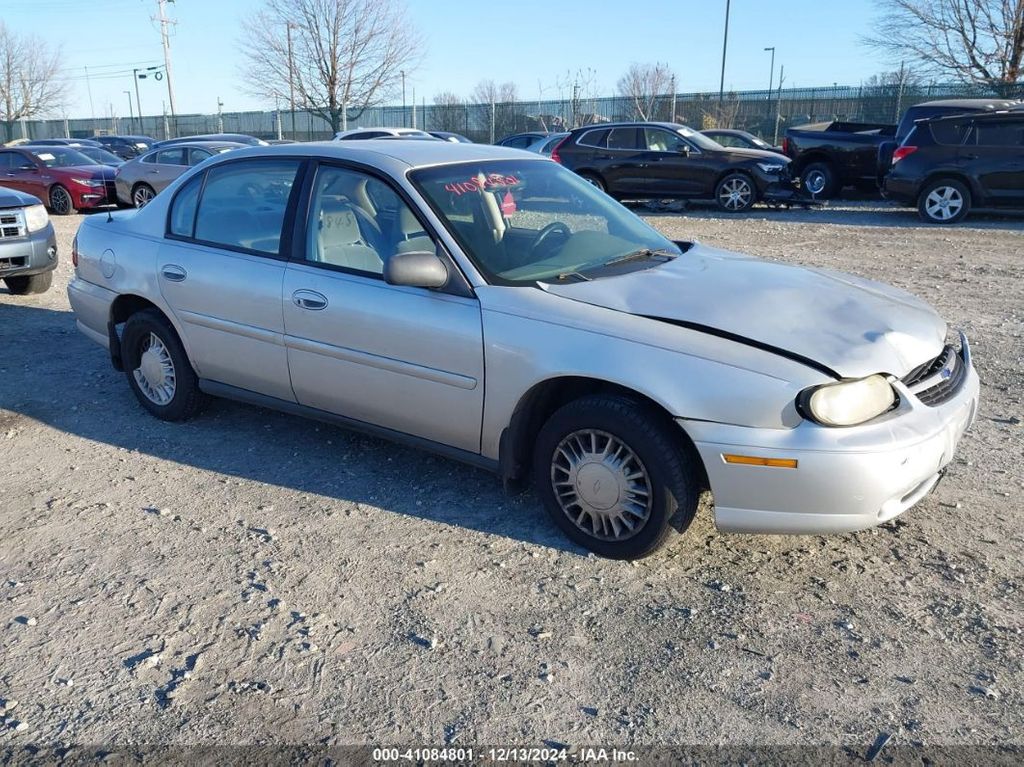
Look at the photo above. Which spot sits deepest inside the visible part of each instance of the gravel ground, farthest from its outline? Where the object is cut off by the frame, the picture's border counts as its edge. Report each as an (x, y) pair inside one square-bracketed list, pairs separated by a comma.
[(249, 577)]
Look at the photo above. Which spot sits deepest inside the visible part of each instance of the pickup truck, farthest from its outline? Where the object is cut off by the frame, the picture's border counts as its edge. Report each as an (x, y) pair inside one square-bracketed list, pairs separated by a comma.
[(831, 155)]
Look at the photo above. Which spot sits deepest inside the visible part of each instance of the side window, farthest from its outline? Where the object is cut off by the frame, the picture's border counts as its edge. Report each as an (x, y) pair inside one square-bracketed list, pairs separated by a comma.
[(950, 133), (196, 156), (659, 140), (357, 221), (149, 157), (595, 138), (174, 156), (244, 204), (622, 138), (7, 161), (999, 133), (183, 207)]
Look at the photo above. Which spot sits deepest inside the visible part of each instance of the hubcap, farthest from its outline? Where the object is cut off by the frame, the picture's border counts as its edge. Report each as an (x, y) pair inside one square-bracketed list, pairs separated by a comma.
[(735, 194), (943, 203), (601, 484), (815, 182), (60, 201), (142, 196), (155, 373)]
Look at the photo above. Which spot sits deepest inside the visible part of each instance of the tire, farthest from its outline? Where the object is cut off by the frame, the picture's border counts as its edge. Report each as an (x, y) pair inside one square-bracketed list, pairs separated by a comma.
[(735, 193), (819, 180), (594, 180), (164, 383), (649, 446), (61, 203), (944, 201), (29, 284), (142, 195)]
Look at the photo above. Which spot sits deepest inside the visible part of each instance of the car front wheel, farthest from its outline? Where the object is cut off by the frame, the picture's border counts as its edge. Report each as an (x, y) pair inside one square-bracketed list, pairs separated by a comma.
[(28, 284), (61, 203), (735, 193), (945, 201), (157, 367), (612, 474)]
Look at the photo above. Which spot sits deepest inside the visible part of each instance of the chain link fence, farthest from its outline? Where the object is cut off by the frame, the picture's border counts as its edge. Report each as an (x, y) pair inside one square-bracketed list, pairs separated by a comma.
[(764, 113)]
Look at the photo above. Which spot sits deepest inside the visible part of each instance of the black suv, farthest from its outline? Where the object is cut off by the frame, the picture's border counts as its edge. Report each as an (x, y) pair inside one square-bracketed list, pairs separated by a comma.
[(666, 160), (125, 147), (947, 165)]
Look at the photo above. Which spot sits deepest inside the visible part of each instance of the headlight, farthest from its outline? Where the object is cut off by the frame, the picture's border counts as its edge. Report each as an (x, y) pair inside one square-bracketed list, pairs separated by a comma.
[(771, 168), (36, 218), (94, 183), (848, 403)]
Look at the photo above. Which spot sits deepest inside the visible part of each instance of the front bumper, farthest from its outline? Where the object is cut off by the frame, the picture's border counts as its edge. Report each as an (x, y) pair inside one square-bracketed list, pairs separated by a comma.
[(846, 478), (30, 254)]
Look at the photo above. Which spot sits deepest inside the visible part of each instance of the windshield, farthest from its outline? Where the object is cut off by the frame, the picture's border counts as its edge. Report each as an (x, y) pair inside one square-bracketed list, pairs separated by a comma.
[(60, 156), (101, 156), (524, 221)]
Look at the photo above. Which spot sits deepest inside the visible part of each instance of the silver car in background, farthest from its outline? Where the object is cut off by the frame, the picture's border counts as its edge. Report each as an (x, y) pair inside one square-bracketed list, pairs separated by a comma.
[(139, 180), (488, 304)]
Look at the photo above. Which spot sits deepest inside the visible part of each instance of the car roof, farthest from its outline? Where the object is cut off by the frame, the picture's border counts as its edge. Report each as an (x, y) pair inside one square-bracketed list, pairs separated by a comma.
[(970, 103), (198, 145), (630, 124), (398, 156), (1015, 113)]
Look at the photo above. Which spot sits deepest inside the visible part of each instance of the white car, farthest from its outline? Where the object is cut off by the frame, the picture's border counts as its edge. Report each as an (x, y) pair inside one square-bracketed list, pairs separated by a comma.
[(360, 134), (492, 306)]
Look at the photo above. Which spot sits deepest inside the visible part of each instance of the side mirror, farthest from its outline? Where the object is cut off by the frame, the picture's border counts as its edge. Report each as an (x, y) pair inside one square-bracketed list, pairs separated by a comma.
[(416, 269), (684, 149)]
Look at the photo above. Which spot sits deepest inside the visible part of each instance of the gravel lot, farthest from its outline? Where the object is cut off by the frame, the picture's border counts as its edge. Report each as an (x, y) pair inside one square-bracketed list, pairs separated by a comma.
[(253, 578)]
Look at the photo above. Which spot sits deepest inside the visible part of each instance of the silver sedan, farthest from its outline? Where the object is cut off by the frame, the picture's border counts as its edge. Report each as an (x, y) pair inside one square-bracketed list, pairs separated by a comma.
[(489, 305), (139, 180)]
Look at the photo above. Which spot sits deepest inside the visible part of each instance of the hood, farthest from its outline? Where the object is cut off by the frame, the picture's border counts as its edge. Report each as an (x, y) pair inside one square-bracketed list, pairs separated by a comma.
[(849, 326), (10, 198), (742, 153), (85, 171)]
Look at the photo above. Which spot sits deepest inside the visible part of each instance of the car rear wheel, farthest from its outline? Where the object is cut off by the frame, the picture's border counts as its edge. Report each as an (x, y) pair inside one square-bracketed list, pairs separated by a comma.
[(30, 283), (60, 201), (142, 195), (945, 201), (157, 367), (612, 474), (594, 180), (819, 180), (735, 193)]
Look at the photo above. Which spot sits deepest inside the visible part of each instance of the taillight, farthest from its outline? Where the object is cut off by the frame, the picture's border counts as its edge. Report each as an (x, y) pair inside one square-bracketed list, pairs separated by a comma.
[(74, 252), (554, 152), (901, 152), (785, 145)]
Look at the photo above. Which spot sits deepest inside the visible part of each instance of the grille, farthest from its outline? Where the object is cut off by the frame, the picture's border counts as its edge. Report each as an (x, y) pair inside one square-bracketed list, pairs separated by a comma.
[(936, 381), (12, 224)]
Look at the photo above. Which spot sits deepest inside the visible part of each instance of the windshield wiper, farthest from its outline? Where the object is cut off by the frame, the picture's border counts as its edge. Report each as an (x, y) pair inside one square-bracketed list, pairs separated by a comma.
[(639, 255), (566, 275)]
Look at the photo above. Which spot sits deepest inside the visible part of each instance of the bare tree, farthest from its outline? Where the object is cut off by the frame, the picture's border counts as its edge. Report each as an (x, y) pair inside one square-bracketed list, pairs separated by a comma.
[(344, 55), (646, 86), (449, 113), (30, 82), (976, 41), (497, 104)]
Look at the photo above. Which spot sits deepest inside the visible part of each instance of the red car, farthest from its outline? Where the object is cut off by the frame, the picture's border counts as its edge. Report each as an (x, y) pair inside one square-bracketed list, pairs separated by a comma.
[(62, 177)]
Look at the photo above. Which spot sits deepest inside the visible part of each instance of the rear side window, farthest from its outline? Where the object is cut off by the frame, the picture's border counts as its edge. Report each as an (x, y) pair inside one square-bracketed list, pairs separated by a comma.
[(243, 204), (183, 208), (950, 132), (171, 157), (622, 138), (595, 138), (999, 133)]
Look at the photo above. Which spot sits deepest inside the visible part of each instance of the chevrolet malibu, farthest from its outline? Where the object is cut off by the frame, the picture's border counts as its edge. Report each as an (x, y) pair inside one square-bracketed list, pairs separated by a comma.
[(491, 306)]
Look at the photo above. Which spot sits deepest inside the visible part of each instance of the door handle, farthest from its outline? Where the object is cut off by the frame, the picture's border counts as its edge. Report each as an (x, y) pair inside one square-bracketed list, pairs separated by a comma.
[(174, 273), (309, 299)]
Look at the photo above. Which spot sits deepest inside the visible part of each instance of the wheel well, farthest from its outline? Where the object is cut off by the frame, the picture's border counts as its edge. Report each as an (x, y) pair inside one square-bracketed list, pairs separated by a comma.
[(733, 172), (951, 175), (123, 307), (811, 159), (540, 402)]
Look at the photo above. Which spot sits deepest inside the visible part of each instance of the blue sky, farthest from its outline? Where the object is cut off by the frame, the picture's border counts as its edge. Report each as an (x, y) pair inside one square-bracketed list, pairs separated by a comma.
[(534, 43)]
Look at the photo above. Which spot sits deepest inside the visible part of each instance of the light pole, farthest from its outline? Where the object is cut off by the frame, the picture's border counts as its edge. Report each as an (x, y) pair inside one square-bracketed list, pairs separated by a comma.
[(725, 45), (403, 98), (771, 72), (291, 76), (220, 116), (131, 114)]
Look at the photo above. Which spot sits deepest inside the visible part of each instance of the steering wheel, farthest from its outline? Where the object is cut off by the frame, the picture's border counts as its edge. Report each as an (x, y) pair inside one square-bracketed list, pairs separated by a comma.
[(545, 235)]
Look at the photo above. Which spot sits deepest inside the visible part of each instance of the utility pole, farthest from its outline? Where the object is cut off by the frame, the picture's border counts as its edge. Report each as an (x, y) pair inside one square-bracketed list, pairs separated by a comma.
[(138, 102), (771, 72), (165, 37), (88, 87), (725, 46), (778, 106), (492, 116), (403, 99), (291, 76), (413, 107), (220, 116), (131, 115), (672, 119)]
